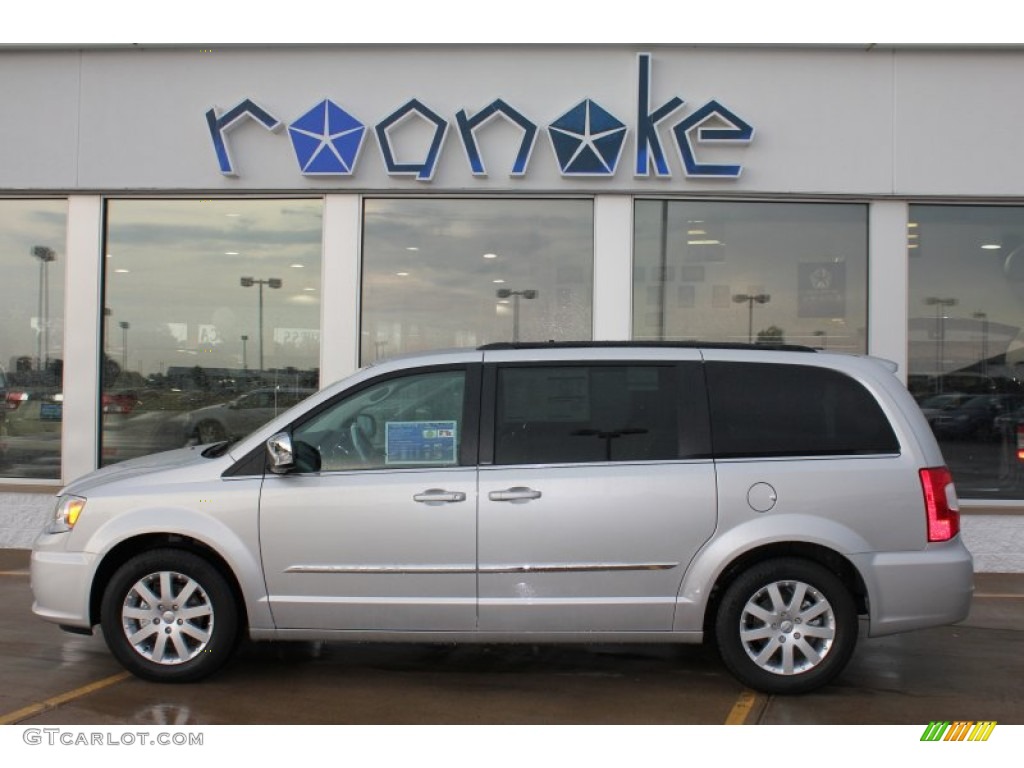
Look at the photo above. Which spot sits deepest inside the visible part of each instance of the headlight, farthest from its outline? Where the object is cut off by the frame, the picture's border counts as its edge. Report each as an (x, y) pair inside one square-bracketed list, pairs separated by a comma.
[(66, 513)]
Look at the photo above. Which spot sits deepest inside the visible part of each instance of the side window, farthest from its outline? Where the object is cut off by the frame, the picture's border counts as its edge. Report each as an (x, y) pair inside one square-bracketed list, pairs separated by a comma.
[(586, 413), (409, 421), (760, 409)]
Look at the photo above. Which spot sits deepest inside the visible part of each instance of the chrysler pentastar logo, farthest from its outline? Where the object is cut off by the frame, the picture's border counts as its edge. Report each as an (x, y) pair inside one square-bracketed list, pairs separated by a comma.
[(587, 140), (327, 140)]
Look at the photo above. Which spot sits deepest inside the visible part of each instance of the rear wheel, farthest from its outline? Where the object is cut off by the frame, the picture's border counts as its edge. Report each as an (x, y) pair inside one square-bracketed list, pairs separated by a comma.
[(786, 626), (169, 615)]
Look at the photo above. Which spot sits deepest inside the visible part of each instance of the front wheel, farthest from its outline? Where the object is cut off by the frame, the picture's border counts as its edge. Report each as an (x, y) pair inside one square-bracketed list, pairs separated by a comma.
[(169, 616), (786, 626)]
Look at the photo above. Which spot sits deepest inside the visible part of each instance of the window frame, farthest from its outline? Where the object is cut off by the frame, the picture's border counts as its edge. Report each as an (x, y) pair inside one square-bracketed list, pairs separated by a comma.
[(692, 442), (468, 426), (836, 375)]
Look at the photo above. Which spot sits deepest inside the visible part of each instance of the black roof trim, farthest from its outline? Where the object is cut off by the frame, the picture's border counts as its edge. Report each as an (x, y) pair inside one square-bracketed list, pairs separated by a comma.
[(501, 345)]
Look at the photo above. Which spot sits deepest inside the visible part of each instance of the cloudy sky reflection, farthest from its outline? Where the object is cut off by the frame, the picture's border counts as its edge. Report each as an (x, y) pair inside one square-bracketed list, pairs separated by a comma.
[(173, 272), (432, 269)]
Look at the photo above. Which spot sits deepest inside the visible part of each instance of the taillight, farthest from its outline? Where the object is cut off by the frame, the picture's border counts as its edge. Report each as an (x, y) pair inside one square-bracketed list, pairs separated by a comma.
[(942, 508), (1020, 442), (14, 399)]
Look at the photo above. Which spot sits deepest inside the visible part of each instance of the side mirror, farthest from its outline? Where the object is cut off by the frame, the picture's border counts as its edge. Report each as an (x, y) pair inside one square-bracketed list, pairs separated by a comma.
[(282, 456)]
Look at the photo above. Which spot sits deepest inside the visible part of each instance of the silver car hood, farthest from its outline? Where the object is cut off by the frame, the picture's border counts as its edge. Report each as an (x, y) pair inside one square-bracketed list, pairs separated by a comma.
[(146, 465)]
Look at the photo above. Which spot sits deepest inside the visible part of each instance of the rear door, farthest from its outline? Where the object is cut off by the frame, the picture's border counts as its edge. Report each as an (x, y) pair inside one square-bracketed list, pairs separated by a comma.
[(596, 491)]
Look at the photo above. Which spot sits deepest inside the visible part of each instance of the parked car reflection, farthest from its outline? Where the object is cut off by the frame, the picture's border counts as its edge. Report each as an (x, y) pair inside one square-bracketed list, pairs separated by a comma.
[(153, 431), (974, 417), (239, 417), (936, 404)]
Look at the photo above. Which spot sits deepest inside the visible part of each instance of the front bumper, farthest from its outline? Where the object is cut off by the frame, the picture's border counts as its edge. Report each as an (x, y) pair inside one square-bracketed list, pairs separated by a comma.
[(914, 590), (61, 582)]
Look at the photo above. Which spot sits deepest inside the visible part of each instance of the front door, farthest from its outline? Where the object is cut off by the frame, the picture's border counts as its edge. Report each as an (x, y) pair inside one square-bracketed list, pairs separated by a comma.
[(378, 530)]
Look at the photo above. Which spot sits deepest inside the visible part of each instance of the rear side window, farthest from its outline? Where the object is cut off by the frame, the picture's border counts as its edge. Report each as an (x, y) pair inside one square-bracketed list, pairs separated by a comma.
[(761, 409), (557, 414)]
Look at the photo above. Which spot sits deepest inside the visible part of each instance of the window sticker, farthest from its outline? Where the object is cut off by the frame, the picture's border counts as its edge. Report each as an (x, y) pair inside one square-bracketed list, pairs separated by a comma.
[(420, 442)]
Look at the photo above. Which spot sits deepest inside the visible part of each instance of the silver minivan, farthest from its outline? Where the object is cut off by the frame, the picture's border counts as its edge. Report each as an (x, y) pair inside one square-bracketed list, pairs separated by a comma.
[(767, 499)]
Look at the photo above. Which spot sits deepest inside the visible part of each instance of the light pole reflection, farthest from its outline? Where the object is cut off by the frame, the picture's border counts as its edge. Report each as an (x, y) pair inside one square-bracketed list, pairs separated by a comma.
[(940, 305), (46, 256), (751, 299), (249, 282), (504, 293)]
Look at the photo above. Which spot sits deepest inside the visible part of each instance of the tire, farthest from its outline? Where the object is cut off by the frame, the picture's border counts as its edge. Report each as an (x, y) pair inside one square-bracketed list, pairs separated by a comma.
[(786, 626), (210, 432), (155, 636)]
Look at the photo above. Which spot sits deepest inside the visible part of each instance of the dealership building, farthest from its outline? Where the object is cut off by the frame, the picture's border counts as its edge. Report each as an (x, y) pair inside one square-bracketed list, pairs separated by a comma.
[(191, 230)]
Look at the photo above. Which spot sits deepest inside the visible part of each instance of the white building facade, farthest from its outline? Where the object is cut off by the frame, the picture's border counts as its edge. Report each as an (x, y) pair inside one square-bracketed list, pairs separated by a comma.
[(184, 227)]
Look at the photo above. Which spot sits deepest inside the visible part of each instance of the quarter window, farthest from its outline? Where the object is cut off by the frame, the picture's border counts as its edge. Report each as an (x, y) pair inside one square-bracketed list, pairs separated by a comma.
[(793, 410)]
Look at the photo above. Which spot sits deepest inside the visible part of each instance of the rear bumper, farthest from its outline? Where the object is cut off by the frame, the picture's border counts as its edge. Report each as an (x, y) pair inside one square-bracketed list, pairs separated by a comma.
[(913, 590)]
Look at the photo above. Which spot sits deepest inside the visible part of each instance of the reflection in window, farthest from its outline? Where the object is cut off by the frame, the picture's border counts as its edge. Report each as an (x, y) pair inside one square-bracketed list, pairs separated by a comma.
[(570, 414), (793, 410), (32, 261), (412, 421), (751, 272), (966, 305), (459, 273), (211, 320)]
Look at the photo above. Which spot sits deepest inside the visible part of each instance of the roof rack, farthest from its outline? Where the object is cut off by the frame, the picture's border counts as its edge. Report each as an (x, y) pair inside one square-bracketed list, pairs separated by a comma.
[(500, 345)]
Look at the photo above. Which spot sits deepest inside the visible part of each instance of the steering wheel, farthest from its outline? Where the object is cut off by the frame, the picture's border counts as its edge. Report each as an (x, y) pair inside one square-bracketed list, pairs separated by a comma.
[(361, 430)]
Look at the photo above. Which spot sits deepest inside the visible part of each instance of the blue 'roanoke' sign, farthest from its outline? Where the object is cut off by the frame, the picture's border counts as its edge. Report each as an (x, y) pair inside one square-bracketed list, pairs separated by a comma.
[(587, 140)]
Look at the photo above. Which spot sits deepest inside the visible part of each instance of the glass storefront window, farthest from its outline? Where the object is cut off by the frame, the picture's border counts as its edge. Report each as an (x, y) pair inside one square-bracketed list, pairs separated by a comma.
[(460, 273), (792, 273), (32, 258), (966, 350), (211, 320)]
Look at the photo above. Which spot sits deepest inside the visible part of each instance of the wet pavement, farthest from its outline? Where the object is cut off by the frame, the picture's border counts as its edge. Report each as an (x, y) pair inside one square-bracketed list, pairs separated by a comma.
[(970, 671)]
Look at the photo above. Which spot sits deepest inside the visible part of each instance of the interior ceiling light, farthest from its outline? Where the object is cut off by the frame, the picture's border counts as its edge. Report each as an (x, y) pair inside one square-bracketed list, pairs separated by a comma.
[(703, 242), (499, 280), (490, 255), (991, 246)]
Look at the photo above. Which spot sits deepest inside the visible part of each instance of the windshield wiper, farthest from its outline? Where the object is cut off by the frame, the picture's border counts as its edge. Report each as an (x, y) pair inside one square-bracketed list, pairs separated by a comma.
[(217, 450)]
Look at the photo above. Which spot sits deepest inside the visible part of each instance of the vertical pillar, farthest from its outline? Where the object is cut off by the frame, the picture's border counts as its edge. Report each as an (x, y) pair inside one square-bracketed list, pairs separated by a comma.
[(83, 314), (339, 297), (888, 283), (613, 267)]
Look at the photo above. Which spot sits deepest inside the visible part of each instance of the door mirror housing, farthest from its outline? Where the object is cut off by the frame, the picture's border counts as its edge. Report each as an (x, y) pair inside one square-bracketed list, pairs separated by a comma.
[(282, 455)]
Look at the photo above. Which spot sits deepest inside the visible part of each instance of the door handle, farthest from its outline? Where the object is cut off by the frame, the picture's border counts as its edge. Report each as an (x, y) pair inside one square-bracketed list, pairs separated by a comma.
[(439, 496), (518, 494)]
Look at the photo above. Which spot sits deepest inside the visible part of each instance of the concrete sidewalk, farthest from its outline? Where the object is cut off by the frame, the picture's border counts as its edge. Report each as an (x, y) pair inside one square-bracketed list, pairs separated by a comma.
[(23, 516)]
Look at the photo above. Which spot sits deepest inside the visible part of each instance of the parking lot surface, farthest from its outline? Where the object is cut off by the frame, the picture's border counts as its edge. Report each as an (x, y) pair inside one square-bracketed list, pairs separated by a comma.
[(969, 671)]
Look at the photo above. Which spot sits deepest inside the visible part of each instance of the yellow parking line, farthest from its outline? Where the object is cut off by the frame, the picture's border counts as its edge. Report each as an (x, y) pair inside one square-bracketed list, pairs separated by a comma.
[(741, 709), (32, 710), (14, 573)]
